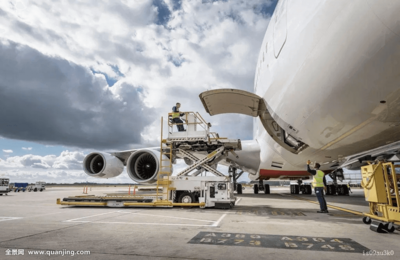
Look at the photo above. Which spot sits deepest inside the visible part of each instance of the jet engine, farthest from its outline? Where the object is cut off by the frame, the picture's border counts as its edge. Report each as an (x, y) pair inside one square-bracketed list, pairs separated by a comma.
[(143, 165), (102, 165)]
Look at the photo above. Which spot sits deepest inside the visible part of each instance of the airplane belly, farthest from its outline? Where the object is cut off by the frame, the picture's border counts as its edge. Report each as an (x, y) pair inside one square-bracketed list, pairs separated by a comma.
[(336, 82)]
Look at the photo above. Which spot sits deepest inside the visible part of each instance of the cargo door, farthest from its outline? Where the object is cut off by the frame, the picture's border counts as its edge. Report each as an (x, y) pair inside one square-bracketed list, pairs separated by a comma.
[(222, 101)]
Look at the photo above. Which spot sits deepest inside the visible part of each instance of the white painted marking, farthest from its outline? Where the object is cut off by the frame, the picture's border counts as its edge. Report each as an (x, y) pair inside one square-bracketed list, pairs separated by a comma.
[(9, 218), (237, 202), (176, 217), (216, 224), (73, 220), (136, 223), (44, 215)]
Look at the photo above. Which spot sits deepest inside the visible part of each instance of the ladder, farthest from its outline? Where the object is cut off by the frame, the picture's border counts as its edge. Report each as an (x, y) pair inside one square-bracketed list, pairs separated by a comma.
[(165, 170)]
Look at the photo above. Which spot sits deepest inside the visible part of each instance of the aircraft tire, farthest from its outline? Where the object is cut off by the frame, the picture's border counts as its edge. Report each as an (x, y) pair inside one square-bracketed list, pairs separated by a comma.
[(239, 189), (266, 189), (255, 188)]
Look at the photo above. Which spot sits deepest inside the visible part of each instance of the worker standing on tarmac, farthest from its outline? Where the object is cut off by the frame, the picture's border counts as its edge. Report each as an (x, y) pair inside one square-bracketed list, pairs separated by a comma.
[(176, 117), (319, 184)]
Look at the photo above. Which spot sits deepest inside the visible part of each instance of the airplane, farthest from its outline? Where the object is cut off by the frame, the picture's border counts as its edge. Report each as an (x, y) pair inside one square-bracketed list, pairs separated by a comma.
[(326, 88)]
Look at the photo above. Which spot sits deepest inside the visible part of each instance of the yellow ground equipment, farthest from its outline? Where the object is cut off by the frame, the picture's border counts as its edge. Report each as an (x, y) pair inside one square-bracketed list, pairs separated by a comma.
[(380, 183)]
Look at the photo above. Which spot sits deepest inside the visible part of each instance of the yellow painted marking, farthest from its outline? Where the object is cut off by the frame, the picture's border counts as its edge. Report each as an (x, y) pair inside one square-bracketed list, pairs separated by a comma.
[(288, 244), (255, 242), (328, 246), (309, 245)]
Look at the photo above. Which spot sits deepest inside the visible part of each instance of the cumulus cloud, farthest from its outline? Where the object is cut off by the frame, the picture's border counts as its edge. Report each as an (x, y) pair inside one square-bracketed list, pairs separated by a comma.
[(64, 168), (71, 107), (27, 148), (8, 151), (152, 53), (66, 160)]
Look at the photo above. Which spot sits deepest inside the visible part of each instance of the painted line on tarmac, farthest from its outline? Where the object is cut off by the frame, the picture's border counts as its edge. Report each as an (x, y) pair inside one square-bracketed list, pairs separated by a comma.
[(214, 223), (75, 219), (9, 218), (331, 206), (175, 217)]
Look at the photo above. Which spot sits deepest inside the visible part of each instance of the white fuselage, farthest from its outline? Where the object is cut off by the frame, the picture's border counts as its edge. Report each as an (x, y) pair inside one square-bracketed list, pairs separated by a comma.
[(329, 72)]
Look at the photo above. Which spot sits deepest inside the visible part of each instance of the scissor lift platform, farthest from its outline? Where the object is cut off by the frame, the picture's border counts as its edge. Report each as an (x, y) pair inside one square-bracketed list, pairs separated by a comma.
[(191, 187)]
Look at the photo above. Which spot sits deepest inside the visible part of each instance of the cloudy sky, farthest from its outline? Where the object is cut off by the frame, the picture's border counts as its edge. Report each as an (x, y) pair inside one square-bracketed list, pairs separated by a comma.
[(78, 76)]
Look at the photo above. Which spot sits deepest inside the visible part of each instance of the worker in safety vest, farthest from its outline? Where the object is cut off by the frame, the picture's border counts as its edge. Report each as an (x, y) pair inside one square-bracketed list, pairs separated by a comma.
[(319, 184), (176, 117), (348, 186)]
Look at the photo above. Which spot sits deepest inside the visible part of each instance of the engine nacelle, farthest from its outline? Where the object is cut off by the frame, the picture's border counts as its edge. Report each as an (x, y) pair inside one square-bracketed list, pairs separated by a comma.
[(143, 165), (102, 165)]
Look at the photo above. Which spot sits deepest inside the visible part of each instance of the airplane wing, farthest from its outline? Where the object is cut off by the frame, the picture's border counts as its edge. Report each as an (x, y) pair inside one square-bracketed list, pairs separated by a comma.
[(390, 152), (124, 155)]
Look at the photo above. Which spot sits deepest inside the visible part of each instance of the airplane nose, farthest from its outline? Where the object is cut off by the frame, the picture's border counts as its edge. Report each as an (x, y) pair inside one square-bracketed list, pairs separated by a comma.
[(388, 13)]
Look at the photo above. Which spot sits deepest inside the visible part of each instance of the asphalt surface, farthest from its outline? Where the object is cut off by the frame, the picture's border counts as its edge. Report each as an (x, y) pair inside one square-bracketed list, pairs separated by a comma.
[(276, 226)]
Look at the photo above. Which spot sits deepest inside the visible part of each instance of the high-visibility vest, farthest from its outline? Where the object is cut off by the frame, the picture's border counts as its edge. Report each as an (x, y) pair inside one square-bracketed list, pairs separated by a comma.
[(319, 179), (176, 115)]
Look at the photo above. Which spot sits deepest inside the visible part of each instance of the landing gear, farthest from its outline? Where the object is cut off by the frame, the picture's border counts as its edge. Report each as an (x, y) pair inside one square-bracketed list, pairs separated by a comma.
[(300, 187), (255, 188), (306, 189), (343, 190), (338, 189), (294, 189), (235, 176), (266, 189), (239, 188), (330, 190), (335, 188)]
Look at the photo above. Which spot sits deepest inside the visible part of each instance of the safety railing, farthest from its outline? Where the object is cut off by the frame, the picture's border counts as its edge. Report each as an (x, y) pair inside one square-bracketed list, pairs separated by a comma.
[(191, 121)]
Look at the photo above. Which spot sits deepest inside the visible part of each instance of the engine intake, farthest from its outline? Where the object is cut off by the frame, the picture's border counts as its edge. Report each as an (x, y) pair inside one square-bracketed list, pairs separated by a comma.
[(143, 166), (102, 165)]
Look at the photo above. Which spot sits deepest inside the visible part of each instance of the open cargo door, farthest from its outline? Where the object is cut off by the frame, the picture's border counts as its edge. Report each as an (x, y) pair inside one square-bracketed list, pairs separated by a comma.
[(222, 101)]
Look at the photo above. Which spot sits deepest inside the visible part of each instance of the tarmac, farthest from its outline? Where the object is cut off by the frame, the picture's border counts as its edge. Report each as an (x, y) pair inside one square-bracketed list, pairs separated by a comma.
[(274, 226)]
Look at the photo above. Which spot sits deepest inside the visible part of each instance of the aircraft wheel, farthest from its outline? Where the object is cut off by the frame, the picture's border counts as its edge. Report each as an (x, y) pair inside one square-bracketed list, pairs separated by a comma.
[(294, 189), (266, 189), (255, 188), (345, 189), (239, 189), (331, 190)]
